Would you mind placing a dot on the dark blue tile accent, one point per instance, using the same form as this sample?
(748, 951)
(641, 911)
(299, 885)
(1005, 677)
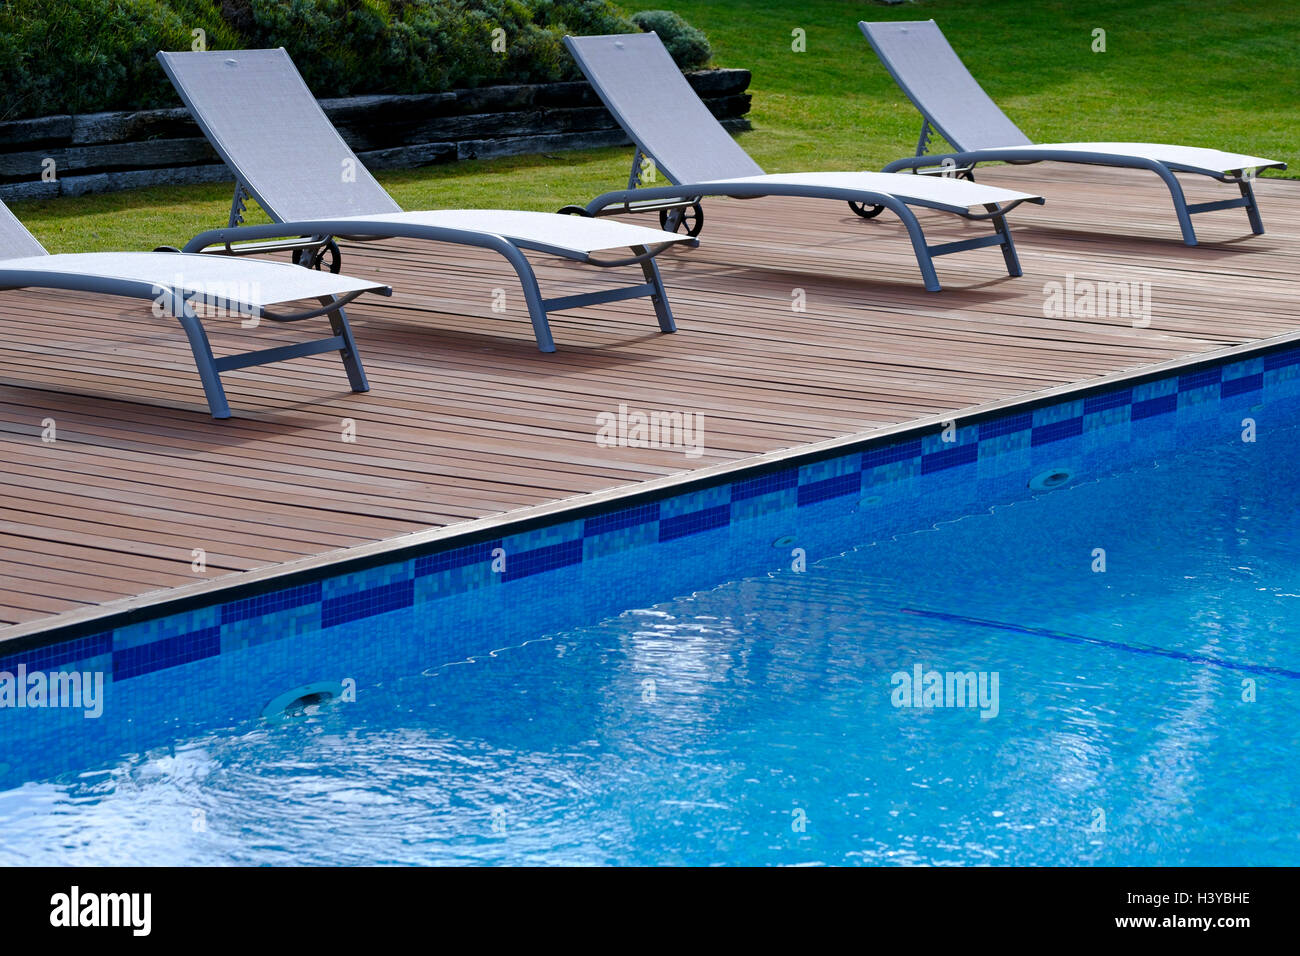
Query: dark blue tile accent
(765, 484)
(695, 522)
(949, 458)
(270, 602)
(367, 603)
(1239, 386)
(542, 559)
(1070, 428)
(1199, 379)
(1281, 359)
(1099, 403)
(131, 662)
(55, 655)
(891, 453)
(1160, 405)
(617, 520)
(828, 488)
(455, 558)
(1006, 426)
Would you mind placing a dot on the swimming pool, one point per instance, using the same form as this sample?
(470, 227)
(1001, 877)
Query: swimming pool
(725, 676)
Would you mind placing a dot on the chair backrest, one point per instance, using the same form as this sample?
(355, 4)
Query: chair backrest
(15, 241)
(921, 61)
(641, 85)
(263, 121)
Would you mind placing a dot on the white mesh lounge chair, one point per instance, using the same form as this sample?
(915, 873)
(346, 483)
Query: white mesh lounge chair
(641, 86)
(174, 280)
(259, 115)
(919, 58)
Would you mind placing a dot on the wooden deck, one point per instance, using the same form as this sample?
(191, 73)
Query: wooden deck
(466, 419)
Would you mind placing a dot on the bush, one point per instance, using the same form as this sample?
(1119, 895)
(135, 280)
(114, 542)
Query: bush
(688, 47)
(78, 56)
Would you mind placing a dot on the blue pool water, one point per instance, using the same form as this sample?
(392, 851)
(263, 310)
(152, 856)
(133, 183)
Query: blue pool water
(1146, 714)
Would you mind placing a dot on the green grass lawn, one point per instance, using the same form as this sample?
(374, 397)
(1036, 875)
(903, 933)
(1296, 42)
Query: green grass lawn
(1182, 71)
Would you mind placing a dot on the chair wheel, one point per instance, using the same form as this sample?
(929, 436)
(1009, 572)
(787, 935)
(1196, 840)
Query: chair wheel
(573, 211)
(865, 211)
(692, 217)
(316, 258)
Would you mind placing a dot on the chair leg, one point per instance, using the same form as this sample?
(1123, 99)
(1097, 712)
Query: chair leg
(532, 297)
(1180, 203)
(1252, 209)
(204, 361)
(349, 354)
(1008, 244)
(659, 297)
(919, 245)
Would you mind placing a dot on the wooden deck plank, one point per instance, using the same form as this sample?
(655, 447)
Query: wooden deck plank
(466, 419)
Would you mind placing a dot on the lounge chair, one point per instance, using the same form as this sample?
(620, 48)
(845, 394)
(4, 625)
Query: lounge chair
(641, 86)
(919, 58)
(173, 280)
(264, 122)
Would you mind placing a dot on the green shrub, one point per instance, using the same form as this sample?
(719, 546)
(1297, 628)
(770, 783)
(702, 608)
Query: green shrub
(78, 56)
(688, 47)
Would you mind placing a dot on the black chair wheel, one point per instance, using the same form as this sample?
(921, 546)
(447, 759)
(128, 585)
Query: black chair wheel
(865, 211)
(574, 211)
(165, 249)
(691, 217)
(321, 256)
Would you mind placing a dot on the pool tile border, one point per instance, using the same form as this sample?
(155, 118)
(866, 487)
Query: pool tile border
(998, 446)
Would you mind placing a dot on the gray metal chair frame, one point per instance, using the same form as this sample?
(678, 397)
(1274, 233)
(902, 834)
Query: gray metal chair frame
(660, 78)
(965, 160)
(306, 237)
(315, 233)
(25, 271)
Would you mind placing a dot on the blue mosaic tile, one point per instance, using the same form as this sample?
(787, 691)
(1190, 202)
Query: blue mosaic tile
(54, 656)
(1155, 389)
(1282, 359)
(542, 559)
(819, 471)
(170, 652)
(765, 484)
(1055, 431)
(950, 458)
(682, 525)
(1199, 379)
(361, 582)
(622, 518)
(274, 626)
(749, 508)
(186, 622)
(695, 501)
(621, 539)
(1160, 405)
(1061, 412)
(1099, 403)
(889, 454)
(1099, 421)
(469, 577)
(545, 537)
(1005, 426)
(1240, 386)
(835, 487)
(264, 604)
(455, 558)
(359, 604)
